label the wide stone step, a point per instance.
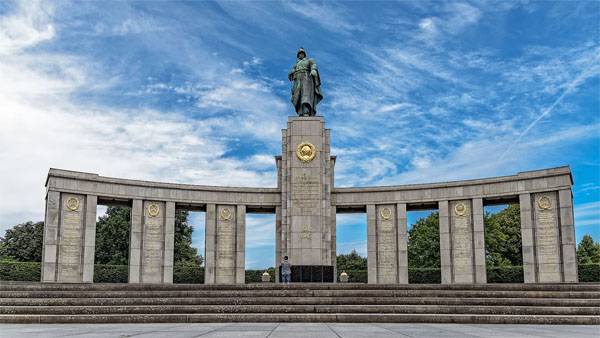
(304, 317)
(190, 309)
(299, 301)
(302, 293)
(28, 286)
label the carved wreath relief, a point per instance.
(153, 210)
(225, 214)
(460, 209)
(306, 152)
(544, 203)
(386, 213)
(73, 204)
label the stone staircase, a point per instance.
(426, 303)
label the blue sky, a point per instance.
(196, 92)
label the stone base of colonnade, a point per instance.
(315, 302)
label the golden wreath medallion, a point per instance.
(306, 152)
(460, 209)
(73, 204)
(386, 213)
(544, 203)
(225, 214)
(153, 210)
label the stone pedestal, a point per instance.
(225, 244)
(305, 176)
(69, 238)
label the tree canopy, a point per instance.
(351, 262)
(23, 242)
(503, 237)
(588, 251)
(424, 243)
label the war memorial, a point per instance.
(305, 203)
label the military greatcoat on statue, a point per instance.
(306, 88)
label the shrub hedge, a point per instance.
(20, 271)
(589, 272)
(194, 274)
(104, 273)
(505, 274)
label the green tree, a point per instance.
(588, 251)
(23, 242)
(112, 236)
(351, 262)
(184, 252)
(424, 243)
(503, 237)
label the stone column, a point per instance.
(445, 244)
(89, 249)
(240, 248)
(548, 237)
(527, 239)
(461, 231)
(50, 249)
(153, 242)
(210, 253)
(278, 242)
(479, 241)
(333, 229)
(457, 242)
(169, 242)
(382, 243)
(69, 232)
(567, 235)
(402, 244)
(229, 246)
(371, 245)
(135, 242)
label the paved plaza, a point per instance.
(304, 330)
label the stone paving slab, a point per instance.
(291, 330)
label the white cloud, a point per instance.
(43, 127)
(29, 26)
(333, 18)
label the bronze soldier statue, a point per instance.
(306, 88)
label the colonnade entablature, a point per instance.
(305, 203)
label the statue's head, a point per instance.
(301, 54)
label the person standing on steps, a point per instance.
(286, 270)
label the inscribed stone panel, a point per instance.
(70, 249)
(462, 239)
(387, 263)
(226, 244)
(547, 237)
(153, 242)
